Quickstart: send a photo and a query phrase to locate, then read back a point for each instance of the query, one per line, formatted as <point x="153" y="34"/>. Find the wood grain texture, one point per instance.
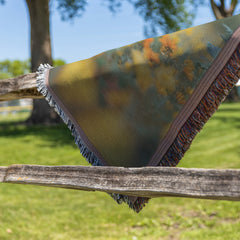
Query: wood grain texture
<point x="146" y="182"/>
<point x="24" y="86"/>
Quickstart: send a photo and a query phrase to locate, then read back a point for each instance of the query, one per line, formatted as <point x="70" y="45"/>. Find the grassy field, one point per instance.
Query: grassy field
<point x="40" y="213"/>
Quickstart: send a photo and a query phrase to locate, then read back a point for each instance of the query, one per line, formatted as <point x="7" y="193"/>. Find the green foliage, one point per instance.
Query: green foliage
<point x="34" y="212"/>
<point x="58" y="62"/>
<point x="71" y="8"/>
<point x="13" y="68"/>
<point x="4" y="75"/>
<point x="9" y="69"/>
<point x="165" y="15"/>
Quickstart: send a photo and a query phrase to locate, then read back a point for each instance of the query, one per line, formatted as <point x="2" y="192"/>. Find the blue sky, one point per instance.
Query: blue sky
<point x="96" y="31"/>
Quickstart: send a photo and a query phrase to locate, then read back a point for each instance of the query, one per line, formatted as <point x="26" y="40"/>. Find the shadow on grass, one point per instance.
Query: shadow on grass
<point x="233" y="110"/>
<point x="57" y="135"/>
<point x="228" y="114"/>
<point x="60" y="135"/>
<point x="233" y="120"/>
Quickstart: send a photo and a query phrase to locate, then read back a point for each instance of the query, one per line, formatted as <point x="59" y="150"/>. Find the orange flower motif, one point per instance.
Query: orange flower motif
<point x="169" y="46"/>
<point x="147" y="42"/>
<point x="149" y="54"/>
<point x="180" y="98"/>
<point x="189" y="69"/>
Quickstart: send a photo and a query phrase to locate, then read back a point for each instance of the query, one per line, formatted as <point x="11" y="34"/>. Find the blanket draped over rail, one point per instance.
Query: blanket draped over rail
<point x="143" y="104"/>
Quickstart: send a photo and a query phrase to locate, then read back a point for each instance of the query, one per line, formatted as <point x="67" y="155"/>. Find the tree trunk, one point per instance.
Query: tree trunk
<point x="40" y="53"/>
<point x="220" y="11"/>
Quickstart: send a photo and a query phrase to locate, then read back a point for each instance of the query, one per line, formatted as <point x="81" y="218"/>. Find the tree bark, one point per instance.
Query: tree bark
<point x="40" y="53"/>
<point x="220" y="11"/>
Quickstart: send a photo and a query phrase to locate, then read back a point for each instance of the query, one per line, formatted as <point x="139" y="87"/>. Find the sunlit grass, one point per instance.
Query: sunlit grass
<point x="32" y="212"/>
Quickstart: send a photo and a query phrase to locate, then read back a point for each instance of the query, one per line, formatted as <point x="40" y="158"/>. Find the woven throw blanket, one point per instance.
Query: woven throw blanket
<point x="143" y="104"/>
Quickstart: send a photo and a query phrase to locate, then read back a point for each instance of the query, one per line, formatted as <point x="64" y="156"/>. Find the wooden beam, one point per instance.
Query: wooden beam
<point x="24" y="86"/>
<point x="146" y="182"/>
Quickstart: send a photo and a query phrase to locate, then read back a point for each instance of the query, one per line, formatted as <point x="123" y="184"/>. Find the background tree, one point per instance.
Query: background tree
<point x="221" y="10"/>
<point x="167" y="15"/>
<point x="173" y="16"/>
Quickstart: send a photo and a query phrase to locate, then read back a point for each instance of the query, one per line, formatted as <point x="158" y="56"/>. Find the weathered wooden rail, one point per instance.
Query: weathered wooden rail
<point x="147" y="181"/>
<point x="24" y="86"/>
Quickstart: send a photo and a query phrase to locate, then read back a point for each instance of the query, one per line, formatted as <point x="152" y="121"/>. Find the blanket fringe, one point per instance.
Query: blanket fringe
<point x="42" y="88"/>
<point x="137" y="205"/>
<point x="215" y="95"/>
<point x="89" y="155"/>
<point x="217" y="92"/>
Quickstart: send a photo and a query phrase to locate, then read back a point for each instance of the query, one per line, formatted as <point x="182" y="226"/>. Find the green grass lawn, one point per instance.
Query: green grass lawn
<point x="34" y="212"/>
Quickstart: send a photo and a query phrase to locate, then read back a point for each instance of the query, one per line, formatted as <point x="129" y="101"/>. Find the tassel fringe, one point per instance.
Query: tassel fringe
<point x="208" y="105"/>
<point x="42" y="88"/>
<point x="89" y="155"/>
<point x="217" y="92"/>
